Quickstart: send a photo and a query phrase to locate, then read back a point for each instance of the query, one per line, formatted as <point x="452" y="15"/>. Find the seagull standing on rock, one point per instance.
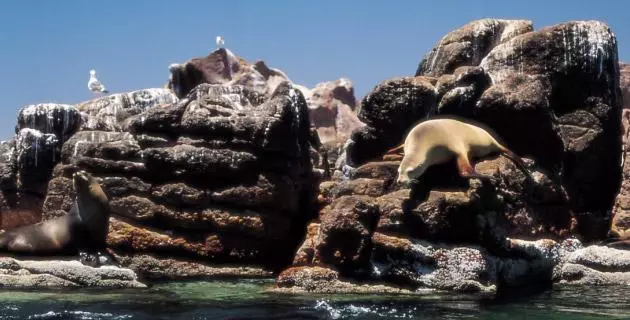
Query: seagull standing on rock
<point x="94" y="85"/>
<point x="220" y="41"/>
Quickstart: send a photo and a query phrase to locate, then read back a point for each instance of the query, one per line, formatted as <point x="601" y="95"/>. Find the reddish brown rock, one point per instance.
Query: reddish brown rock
<point x="345" y="231"/>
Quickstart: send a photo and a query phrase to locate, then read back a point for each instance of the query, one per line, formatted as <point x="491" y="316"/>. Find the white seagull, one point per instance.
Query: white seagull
<point x="94" y="85"/>
<point x="220" y="41"/>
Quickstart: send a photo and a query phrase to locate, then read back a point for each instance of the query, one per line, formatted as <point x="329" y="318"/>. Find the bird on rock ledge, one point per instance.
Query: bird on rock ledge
<point x="94" y="85"/>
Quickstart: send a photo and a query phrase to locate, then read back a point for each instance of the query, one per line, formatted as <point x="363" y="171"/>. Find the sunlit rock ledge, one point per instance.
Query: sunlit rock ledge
<point x="469" y="270"/>
<point x="63" y="273"/>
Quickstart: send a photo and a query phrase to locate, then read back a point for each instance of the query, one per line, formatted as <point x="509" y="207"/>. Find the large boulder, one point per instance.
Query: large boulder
<point x="221" y="176"/>
<point x="468" y="45"/>
<point x="388" y="112"/>
<point x="560" y="86"/>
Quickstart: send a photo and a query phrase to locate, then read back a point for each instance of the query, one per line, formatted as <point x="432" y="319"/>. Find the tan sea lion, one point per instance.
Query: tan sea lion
<point x="84" y="228"/>
<point x="440" y="140"/>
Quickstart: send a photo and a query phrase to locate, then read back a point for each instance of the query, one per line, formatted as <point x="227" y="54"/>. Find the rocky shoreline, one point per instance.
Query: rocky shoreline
<point x="234" y="170"/>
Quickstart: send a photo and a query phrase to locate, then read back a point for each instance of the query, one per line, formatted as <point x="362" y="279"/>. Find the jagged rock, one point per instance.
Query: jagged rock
<point x="468" y="45"/>
<point x="224" y="67"/>
<point x="50" y="118"/>
<point x="61" y="273"/>
<point x="110" y="112"/>
<point x="331" y="108"/>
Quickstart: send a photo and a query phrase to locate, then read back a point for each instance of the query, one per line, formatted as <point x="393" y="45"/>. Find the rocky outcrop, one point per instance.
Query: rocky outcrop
<point x="524" y="87"/>
<point x="63" y="273"/>
<point x="332" y="108"/>
<point x="449" y="233"/>
<point x="572" y="110"/>
<point x="224" y="67"/>
<point x="223" y="177"/>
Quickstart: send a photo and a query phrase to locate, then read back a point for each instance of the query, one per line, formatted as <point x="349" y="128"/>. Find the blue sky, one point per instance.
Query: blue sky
<point x="48" y="47"/>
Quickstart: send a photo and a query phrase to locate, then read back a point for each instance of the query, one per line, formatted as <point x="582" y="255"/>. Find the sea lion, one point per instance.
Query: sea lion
<point x="437" y="141"/>
<point x="84" y="228"/>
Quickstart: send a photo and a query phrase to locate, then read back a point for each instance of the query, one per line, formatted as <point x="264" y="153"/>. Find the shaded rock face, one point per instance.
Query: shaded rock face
<point x="388" y="112"/>
<point x="551" y="95"/>
<point x="224" y="67"/>
<point x="222" y="176"/>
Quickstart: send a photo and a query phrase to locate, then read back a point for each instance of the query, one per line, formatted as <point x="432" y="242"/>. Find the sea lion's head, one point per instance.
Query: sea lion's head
<point x="82" y="180"/>
<point x="408" y="172"/>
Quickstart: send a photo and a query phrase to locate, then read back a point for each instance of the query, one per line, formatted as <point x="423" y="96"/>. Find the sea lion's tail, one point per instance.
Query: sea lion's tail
<point x="517" y="161"/>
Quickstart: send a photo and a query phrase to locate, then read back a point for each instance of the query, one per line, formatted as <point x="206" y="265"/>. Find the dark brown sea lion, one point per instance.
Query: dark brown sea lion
<point x="83" y="229"/>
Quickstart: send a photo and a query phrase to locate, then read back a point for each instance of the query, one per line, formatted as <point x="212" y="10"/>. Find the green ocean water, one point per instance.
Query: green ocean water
<point x="247" y="299"/>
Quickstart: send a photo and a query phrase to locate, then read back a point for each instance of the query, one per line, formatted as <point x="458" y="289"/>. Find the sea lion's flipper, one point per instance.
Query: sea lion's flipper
<point x="466" y="170"/>
<point x="621" y="244"/>
<point x="396" y="149"/>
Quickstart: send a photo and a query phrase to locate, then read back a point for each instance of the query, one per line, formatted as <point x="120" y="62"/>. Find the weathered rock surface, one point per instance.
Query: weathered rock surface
<point x="332" y="112"/>
<point x="468" y="45"/>
<point x="110" y="112"/>
<point x="222" y="176"/>
<point x="224" y="67"/>
<point x="63" y="273"/>
<point x="388" y="112"/>
<point x="594" y="265"/>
